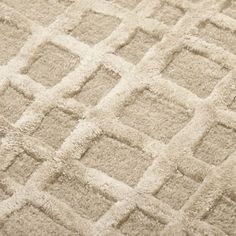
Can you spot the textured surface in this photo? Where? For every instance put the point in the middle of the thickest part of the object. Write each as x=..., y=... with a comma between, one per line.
x=50, y=58
x=168, y=14
x=117, y=117
x=30, y=221
x=12, y=39
x=99, y=84
x=220, y=36
x=94, y=27
x=126, y=164
x=22, y=167
x=195, y=72
x=136, y=47
x=55, y=127
x=12, y=104
x=140, y=224
x=216, y=145
x=177, y=190
x=42, y=11
x=81, y=197
x=156, y=116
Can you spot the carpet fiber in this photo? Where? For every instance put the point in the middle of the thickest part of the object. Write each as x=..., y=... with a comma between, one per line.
x=117, y=117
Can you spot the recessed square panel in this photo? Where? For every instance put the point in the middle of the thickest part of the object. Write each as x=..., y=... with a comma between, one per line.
x=168, y=14
x=222, y=37
x=42, y=11
x=223, y=215
x=217, y=144
x=50, y=64
x=139, y=43
x=95, y=27
x=117, y=160
x=140, y=224
x=194, y=72
x=22, y=168
x=155, y=115
x=55, y=127
x=100, y=83
x=85, y=200
x=13, y=104
x=177, y=190
x=12, y=39
x=30, y=221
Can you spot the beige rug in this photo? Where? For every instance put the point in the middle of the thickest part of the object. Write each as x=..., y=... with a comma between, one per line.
x=117, y=117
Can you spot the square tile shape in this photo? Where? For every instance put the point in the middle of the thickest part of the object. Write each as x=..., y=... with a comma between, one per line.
x=136, y=47
x=43, y=12
x=94, y=27
x=22, y=168
x=218, y=143
x=12, y=39
x=168, y=14
x=223, y=216
x=219, y=36
x=100, y=83
x=50, y=64
x=230, y=9
x=140, y=224
x=194, y=72
x=126, y=4
x=84, y=199
x=13, y=104
x=30, y=221
x=117, y=160
x=155, y=115
x=177, y=190
x=55, y=127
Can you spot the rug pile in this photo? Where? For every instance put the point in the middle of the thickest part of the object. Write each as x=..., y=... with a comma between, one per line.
x=117, y=117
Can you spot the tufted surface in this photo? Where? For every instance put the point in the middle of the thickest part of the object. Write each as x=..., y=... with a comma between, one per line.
x=117, y=117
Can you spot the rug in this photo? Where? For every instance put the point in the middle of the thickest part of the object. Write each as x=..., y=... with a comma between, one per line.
x=117, y=117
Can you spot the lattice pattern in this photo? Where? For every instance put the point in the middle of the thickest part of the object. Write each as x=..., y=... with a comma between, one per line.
x=107, y=127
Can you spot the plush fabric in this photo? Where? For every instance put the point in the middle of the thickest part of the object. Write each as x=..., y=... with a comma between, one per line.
x=117, y=117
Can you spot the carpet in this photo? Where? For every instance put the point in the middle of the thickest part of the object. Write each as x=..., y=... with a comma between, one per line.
x=117, y=117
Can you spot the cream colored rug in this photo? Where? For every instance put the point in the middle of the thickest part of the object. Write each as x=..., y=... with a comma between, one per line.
x=117, y=117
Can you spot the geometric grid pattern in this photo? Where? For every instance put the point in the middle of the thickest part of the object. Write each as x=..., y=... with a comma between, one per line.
x=187, y=180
